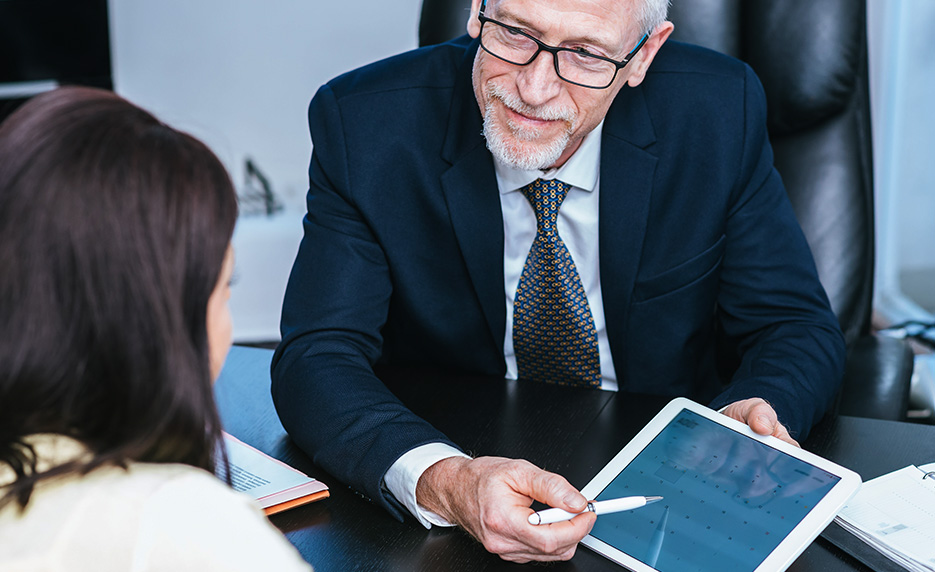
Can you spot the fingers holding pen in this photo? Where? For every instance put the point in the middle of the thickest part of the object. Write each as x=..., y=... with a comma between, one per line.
x=490, y=498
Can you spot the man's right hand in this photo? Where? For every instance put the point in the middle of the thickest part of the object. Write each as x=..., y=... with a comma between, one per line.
x=490, y=498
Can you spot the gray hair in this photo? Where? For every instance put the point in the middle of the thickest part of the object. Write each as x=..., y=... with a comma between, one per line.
x=650, y=13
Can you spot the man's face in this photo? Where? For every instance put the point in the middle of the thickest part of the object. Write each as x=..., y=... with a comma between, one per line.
x=532, y=118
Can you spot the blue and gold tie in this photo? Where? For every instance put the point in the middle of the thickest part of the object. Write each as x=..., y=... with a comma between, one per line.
x=553, y=332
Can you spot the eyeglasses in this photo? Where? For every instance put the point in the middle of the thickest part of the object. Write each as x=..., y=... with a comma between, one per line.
x=574, y=65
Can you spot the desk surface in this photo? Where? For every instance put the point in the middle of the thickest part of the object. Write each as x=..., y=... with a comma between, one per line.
x=497, y=417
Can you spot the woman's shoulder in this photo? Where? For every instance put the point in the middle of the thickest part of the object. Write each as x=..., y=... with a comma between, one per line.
x=194, y=521
x=172, y=516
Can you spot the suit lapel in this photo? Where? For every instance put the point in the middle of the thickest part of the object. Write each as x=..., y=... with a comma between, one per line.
x=470, y=189
x=627, y=170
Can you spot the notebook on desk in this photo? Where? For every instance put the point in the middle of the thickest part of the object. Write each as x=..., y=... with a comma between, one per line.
x=890, y=524
x=274, y=485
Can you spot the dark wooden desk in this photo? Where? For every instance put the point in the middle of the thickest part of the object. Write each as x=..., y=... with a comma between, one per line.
x=495, y=417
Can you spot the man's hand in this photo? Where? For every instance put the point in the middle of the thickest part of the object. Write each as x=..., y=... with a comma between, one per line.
x=490, y=498
x=760, y=416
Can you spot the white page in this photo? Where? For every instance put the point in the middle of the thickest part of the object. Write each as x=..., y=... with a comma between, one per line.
x=898, y=509
x=257, y=474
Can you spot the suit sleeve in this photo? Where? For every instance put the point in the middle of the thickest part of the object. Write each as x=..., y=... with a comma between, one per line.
x=771, y=304
x=336, y=303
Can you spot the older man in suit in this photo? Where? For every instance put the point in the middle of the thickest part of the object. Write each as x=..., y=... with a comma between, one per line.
x=536, y=201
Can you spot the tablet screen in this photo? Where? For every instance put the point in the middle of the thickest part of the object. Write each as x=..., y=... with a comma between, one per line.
x=729, y=500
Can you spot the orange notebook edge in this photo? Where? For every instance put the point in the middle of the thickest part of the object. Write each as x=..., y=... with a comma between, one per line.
x=276, y=508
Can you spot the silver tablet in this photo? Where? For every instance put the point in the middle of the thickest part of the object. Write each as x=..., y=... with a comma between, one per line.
x=732, y=499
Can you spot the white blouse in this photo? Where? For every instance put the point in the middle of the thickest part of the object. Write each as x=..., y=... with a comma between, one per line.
x=148, y=517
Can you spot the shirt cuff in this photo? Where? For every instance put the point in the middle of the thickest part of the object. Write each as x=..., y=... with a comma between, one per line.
x=403, y=476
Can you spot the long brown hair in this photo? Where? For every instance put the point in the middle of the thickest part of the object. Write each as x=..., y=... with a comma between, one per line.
x=113, y=229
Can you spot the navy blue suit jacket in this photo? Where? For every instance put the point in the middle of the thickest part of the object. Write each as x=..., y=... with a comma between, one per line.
x=402, y=258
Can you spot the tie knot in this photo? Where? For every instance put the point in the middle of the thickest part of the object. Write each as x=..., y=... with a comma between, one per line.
x=546, y=197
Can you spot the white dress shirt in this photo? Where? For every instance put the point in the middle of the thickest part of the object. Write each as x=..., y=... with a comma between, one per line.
x=578, y=228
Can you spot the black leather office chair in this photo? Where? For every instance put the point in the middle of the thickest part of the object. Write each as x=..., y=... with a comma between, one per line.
x=812, y=60
x=442, y=20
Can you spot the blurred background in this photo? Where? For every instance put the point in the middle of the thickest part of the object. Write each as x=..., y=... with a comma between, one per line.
x=239, y=74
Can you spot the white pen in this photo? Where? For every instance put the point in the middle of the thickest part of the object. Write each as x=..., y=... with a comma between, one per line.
x=550, y=515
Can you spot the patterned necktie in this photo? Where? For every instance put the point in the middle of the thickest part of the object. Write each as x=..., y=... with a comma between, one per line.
x=553, y=331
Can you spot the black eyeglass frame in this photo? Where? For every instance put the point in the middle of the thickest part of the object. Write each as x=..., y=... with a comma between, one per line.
x=541, y=46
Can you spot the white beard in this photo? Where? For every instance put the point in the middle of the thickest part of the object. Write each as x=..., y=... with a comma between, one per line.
x=506, y=143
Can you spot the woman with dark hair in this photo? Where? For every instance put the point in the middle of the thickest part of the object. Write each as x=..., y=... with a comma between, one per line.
x=115, y=263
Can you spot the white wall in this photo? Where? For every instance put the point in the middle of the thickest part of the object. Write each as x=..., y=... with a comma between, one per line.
x=915, y=160
x=903, y=108
x=239, y=74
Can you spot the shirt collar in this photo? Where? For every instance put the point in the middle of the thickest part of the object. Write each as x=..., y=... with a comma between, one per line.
x=581, y=170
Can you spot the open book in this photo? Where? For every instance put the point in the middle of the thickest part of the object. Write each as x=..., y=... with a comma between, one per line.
x=895, y=514
x=275, y=485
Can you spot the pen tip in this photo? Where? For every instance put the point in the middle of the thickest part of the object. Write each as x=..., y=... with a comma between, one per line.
x=652, y=499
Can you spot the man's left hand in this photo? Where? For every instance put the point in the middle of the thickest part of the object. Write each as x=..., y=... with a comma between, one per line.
x=761, y=417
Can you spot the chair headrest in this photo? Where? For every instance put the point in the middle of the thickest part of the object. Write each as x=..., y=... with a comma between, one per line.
x=809, y=55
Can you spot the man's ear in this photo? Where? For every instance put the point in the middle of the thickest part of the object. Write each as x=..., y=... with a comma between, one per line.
x=641, y=60
x=473, y=24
